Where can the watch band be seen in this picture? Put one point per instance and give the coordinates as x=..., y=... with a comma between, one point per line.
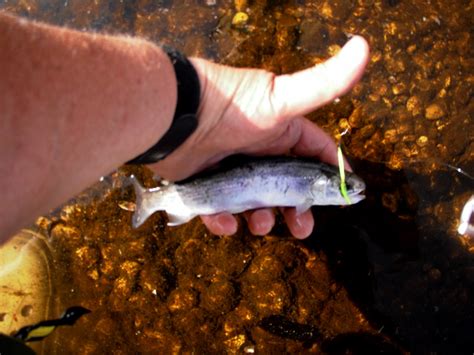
x=185, y=120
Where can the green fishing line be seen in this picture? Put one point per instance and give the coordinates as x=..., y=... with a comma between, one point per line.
x=342, y=173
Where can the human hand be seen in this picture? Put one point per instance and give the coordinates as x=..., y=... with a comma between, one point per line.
x=255, y=112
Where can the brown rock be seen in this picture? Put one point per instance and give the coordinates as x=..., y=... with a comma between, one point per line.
x=434, y=112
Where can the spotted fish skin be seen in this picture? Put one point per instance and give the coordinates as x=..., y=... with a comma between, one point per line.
x=255, y=183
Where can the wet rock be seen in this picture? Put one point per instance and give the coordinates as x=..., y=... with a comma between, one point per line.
x=182, y=300
x=240, y=318
x=197, y=329
x=366, y=131
x=455, y=136
x=395, y=162
x=435, y=111
x=266, y=266
x=337, y=10
x=313, y=36
x=219, y=297
x=86, y=257
x=395, y=65
x=422, y=141
x=463, y=92
x=136, y=248
x=157, y=340
x=270, y=298
x=357, y=117
x=399, y=88
x=157, y=281
x=391, y=135
x=240, y=20
x=235, y=343
x=414, y=105
x=229, y=255
x=121, y=292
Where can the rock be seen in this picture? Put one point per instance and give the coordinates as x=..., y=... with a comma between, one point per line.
x=422, y=141
x=414, y=105
x=434, y=112
x=314, y=36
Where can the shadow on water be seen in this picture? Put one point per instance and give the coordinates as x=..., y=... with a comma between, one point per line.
x=409, y=274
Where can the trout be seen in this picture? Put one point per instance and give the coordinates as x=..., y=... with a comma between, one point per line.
x=256, y=183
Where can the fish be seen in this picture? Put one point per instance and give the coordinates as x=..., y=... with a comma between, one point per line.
x=285, y=328
x=41, y=330
x=255, y=183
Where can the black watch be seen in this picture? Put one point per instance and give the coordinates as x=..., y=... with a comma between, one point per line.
x=185, y=120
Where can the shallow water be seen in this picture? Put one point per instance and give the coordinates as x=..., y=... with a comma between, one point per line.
x=390, y=273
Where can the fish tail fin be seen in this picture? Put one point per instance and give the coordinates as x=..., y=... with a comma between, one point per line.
x=142, y=201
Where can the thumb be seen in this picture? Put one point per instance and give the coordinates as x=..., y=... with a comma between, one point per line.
x=306, y=90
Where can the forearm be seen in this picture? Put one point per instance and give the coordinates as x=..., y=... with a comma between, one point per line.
x=73, y=106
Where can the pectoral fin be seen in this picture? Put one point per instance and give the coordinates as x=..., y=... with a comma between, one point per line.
x=306, y=205
x=176, y=220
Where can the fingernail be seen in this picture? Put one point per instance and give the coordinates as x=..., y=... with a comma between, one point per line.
x=298, y=222
x=262, y=222
x=226, y=224
x=303, y=227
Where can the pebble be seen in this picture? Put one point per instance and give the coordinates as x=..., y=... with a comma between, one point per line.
x=434, y=274
x=240, y=19
x=344, y=125
x=235, y=343
x=414, y=105
x=182, y=300
x=395, y=162
x=63, y=233
x=391, y=136
x=356, y=119
x=422, y=141
x=334, y=49
x=434, y=112
x=27, y=310
x=219, y=296
x=399, y=89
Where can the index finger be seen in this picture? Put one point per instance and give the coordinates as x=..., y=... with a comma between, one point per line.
x=314, y=142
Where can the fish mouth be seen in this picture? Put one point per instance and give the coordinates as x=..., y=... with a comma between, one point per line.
x=356, y=196
x=357, y=193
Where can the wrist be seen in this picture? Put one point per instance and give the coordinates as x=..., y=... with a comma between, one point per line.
x=184, y=121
